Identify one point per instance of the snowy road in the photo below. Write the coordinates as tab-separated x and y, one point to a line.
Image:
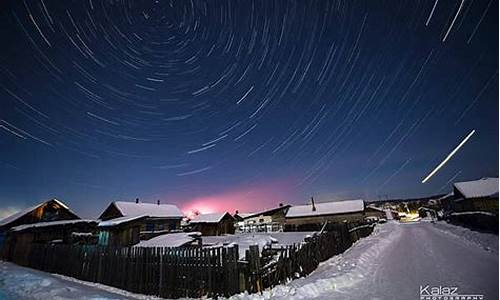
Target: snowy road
394	261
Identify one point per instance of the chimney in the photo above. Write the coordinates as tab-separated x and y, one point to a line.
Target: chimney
313	206
236	212
281	204
136	200
158	202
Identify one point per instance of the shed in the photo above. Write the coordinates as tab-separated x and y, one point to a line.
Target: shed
214	223
264	221
21	238
313	216
120	232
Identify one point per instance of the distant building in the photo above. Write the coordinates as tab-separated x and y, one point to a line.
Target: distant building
158	218
376	213
120	232
478	195
214	224
264	221
51	210
313	216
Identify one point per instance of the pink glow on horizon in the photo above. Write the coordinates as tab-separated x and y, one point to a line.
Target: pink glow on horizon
248	199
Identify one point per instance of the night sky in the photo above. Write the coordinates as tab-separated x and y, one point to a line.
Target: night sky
243	104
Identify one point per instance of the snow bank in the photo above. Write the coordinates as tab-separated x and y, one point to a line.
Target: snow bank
487	241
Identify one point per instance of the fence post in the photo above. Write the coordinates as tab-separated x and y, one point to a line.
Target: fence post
235	275
254	264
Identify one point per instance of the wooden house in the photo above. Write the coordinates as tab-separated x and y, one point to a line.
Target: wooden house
264	221
214	224
120	232
51	210
21	238
158	218
313	216
375	213
478	195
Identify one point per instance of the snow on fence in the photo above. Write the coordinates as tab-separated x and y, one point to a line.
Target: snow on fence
191	271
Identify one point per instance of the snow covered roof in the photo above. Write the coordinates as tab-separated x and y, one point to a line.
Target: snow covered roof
450	194
210	218
23	212
170	240
265	212
375	207
326	208
485	187
148	209
119	221
48	224
245	215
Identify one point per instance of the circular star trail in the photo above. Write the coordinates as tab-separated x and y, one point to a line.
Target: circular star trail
102	100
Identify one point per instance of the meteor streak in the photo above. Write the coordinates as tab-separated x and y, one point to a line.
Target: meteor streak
448	157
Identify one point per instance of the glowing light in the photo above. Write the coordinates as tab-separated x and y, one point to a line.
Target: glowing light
244	198
448	157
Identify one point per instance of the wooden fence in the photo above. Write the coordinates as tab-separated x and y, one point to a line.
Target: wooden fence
164	272
191	272
279	265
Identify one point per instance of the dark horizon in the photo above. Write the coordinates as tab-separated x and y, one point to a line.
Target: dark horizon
241	105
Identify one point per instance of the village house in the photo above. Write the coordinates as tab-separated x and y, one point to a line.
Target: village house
51	210
214	224
270	220
312	217
158	218
373	212
478	195
473	204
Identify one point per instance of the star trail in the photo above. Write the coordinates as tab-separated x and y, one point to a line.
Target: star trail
266	101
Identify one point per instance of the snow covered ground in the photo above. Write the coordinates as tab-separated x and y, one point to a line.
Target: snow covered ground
18	283
392	263
395	261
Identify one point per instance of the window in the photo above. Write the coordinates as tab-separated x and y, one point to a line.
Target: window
172	226
150	227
